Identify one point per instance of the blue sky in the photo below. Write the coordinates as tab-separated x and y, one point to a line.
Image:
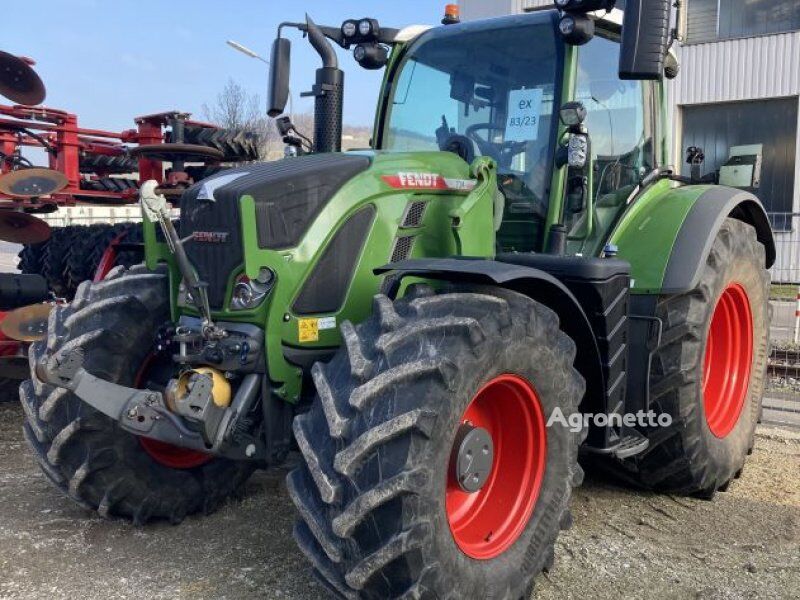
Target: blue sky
109	61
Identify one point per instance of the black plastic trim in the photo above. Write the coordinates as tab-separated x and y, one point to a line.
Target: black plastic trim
325	288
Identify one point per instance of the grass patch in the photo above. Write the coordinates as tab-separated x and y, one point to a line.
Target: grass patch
782	291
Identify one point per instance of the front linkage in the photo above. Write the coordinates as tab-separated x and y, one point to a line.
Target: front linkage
195	410
146	412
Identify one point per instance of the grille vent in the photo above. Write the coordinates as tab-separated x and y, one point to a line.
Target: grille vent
415	211
402	248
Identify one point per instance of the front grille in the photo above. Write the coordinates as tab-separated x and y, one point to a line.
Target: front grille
288	195
213	260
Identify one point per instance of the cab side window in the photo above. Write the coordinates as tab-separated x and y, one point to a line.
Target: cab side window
619	119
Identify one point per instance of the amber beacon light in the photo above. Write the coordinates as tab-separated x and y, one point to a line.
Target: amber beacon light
451	15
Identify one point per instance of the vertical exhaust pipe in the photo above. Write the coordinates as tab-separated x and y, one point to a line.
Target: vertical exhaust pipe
328	92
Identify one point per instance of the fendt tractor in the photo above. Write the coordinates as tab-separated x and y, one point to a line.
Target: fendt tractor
422	320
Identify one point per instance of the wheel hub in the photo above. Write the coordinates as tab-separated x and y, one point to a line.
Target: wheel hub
474	455
497	466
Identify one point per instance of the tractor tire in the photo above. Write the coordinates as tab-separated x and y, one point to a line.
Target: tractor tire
87	455
101	163
381	513
85	254
129	257
708	373
55	256
238	145
30	258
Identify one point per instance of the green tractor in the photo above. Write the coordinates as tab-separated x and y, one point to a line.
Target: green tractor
509	278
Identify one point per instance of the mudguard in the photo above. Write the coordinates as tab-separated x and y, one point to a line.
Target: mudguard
532	282
700	228
666	234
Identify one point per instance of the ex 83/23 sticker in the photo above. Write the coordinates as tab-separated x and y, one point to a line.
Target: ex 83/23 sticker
524	108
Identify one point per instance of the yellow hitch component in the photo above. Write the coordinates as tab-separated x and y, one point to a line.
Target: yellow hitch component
220	390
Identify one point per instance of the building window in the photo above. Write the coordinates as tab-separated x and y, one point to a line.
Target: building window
710	20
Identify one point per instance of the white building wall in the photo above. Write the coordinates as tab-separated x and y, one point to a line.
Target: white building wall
482	9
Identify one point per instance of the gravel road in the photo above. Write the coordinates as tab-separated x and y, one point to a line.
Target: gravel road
624	544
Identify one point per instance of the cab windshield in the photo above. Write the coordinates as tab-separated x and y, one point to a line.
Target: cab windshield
486	89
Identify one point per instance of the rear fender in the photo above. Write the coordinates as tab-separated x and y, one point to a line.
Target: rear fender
666	235
700	228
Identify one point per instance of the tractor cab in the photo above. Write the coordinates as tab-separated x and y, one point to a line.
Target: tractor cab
501	97
491	90
496	89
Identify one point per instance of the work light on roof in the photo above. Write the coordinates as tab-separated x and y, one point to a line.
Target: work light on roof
365	27
349	28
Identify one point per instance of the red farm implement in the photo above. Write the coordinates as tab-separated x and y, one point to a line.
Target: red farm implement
85	167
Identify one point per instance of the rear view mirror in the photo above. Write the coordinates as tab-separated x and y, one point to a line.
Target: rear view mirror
279	76
645	39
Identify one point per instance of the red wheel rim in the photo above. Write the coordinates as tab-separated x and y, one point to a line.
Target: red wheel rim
728	359
165	454
484	524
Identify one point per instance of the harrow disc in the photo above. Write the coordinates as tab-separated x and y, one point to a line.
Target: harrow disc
19	82
28	323
32	183
171	152
22	228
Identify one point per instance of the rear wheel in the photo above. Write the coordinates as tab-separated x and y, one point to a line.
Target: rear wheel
30	258
84	255
86	454
708	374
54	258
429	469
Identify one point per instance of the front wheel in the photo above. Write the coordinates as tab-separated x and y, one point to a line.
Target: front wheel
84	453
429	467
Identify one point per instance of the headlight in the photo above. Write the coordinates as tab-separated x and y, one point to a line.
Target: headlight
577	148
567	25
249	293
349	28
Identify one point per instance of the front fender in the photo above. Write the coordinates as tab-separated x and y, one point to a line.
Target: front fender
535	284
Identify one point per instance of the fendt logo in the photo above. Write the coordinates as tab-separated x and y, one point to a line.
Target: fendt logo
427	181
210	237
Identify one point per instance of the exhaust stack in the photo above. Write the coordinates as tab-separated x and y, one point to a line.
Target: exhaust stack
328	92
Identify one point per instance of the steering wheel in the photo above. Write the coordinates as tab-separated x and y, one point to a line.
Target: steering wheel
501	152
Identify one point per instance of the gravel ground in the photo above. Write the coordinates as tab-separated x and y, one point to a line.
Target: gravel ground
625	544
